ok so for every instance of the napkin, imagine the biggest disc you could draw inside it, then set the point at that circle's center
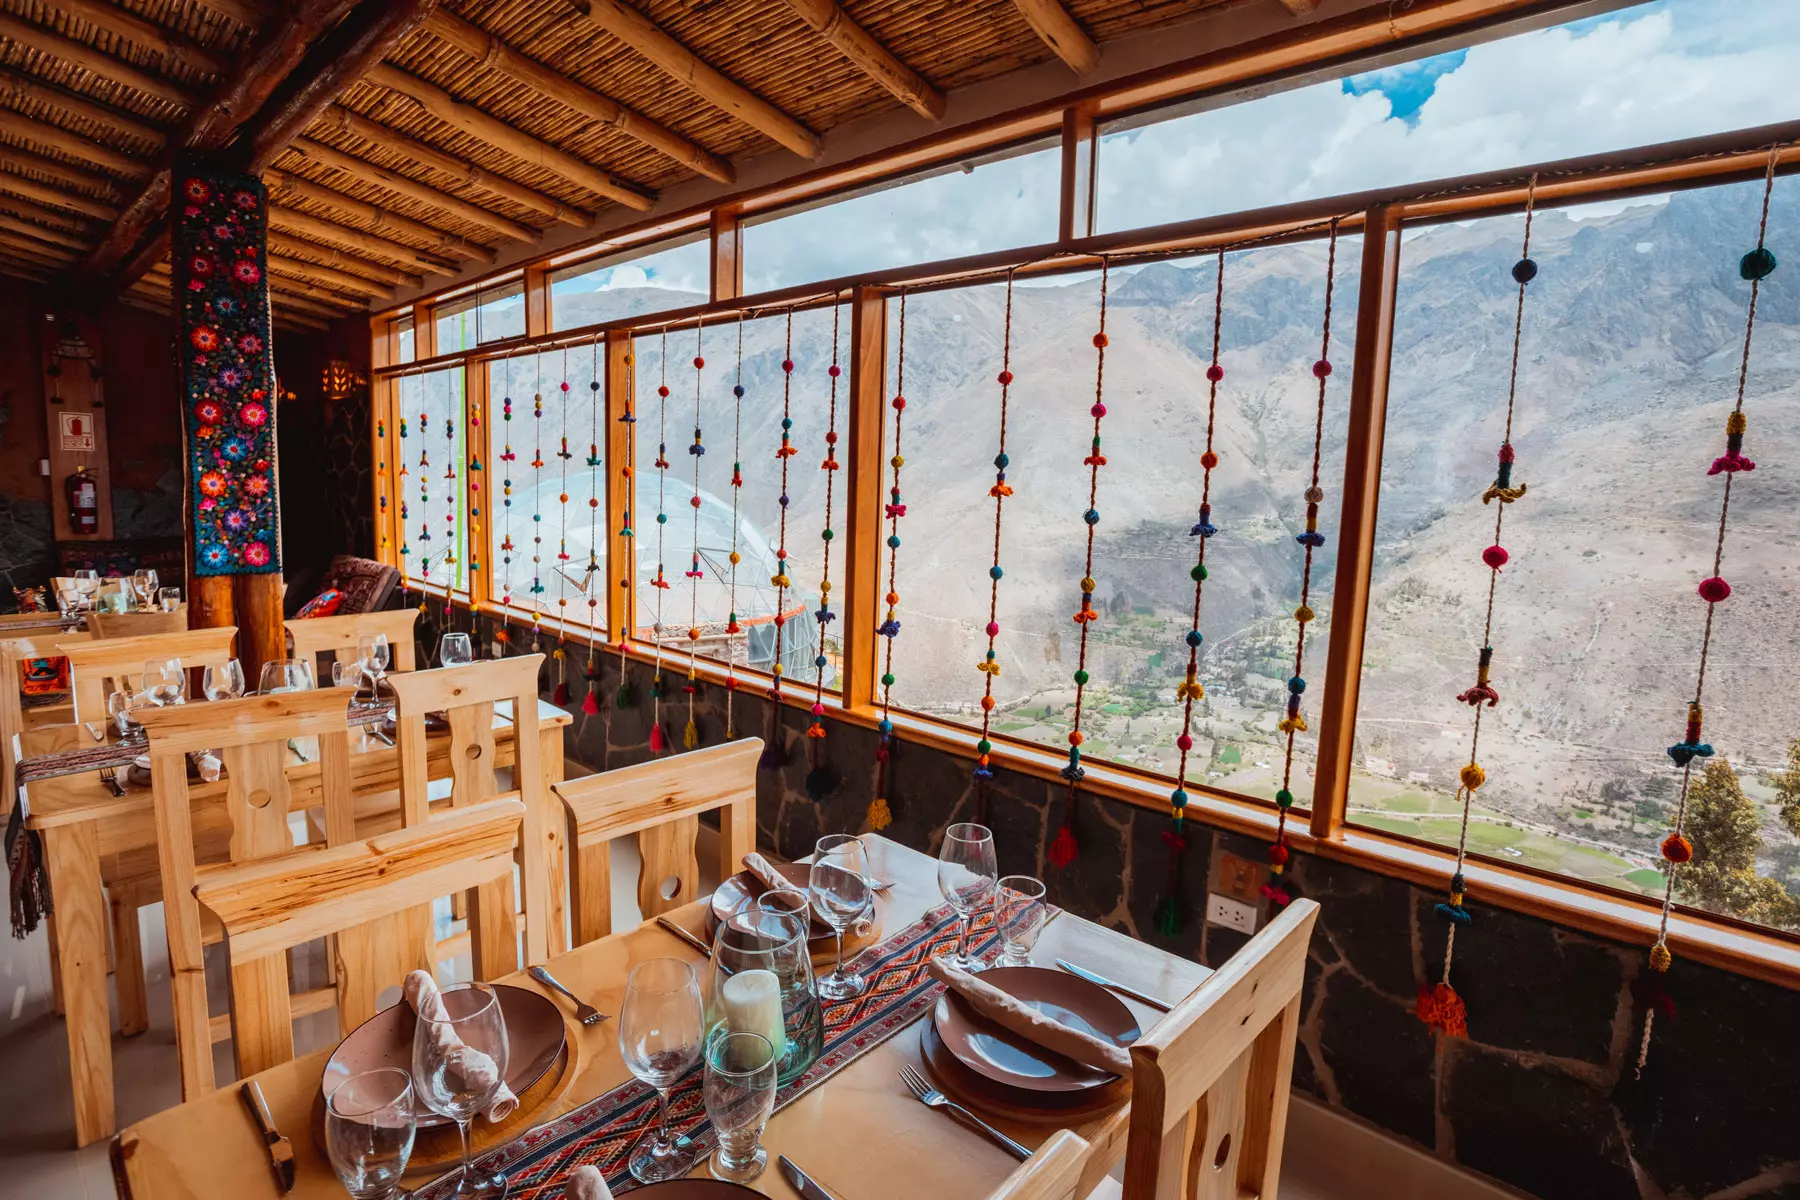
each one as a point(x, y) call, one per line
point(1016, 1017)
point(586, 1183)
point(205, 763)
point(766, 873)
point(475, 1067)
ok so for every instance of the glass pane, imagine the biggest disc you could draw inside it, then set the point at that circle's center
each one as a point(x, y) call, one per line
point(1160, 327)
point(1632, 337)
point(547, 537)
point(1646, 74)
point(486, 317)
point(670, 277)
point(962, 209)
point(747, 519)
point(404, 328)
point(432, 475)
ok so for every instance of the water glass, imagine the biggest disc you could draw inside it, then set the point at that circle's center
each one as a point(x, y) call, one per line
point(372, 653)
point(966, 875)
point(286, 675)
point(1019, 912)
point(143, 585)
point(347, 674)
point(660, 1041)
point(839, 886)
point(369, 1126)
point(459, 1060)
point(168, 599)
point(70, 602)
point(165, 682)
point(223, 681)
point(455, 650)
point(120, 706)
point(740, 1094)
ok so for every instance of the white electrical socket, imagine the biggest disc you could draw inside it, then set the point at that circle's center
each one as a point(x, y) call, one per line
point(1233, 914)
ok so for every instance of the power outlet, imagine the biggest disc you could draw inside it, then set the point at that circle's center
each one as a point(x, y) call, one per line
point(1232, 914)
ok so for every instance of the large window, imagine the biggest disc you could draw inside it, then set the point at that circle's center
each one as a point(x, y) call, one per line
point(1632, 337)
point(672, 275)
point(486, 316)
point(432, 473)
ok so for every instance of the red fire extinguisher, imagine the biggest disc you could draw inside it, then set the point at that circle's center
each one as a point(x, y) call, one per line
point(84, 502)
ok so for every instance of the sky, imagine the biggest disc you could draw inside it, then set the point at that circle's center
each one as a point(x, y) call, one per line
point(1650, 73)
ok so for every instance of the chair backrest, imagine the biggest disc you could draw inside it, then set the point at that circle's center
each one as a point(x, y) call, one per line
point(467, 697)
point(660, 801)
point(1053, 1172)
point(251, 736)
point(15, 653)
point(339, 636)
point(136, 624)
point(102, 664)
point(1209, 1084)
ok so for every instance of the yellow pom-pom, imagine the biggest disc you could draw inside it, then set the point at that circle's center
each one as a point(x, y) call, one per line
point(1472, 776)
point(896, 461)
point(1088, 584)
point(824, 586)
point(1660, 958)
point(880, 816)
point(1737, 422)
point(1303, 614)
point(736, 558)
point(775, 669)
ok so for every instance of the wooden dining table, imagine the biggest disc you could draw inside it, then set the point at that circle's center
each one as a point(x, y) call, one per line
point(90, 836)
point(861, 1133)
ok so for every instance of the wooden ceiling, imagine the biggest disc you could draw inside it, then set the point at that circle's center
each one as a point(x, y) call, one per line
point(476, 124)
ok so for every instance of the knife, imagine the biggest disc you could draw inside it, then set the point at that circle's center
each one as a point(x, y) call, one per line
point(669, 926)
point(803, 1183)
point(1112, 985)
point(281, 1151)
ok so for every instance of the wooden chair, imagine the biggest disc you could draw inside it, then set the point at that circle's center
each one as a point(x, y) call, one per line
point(137, 624)
point(467, 696)
point(1209, 1084)
point(339, 636)
point(100, 665)
point(660, 801)
point(15, 718)
point(1053, 1172)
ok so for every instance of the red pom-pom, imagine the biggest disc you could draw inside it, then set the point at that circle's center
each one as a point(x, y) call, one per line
point(1714, 589)
point(787, 364)
point(1677, 849)
point(1215, 372)
point(834, 371)
point(1278, 855)
point(590, 703)
point(1322, 368)
point(1495, 556)
point(698, 362)
point(1005, 377)
point(1100, 341)
point(1209, 460)
point(560, 696)
point(899, 402)
point(1063, 849)
point(1441, 1008)
point(663, 391)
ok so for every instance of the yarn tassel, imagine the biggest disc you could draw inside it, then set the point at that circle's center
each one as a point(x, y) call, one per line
point(772, 758)
point(1169, 913)
point(1441, 1008)
point(880, 816)
point(658, 743)
point(1064, 849)
point(690, 737)
point(590, 703)
point(822, 780)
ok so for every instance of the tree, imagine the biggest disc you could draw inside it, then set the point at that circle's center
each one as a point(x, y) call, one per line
point(1787, 790)
point(1722, 824)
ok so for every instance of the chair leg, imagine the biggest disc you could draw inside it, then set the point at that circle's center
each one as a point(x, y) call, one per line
point(128, 965)
point(56, 988)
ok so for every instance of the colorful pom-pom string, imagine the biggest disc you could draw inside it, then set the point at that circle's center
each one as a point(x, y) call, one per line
point(989, 666)
point(626, 556)
point(507, 458)
point(1293, 720)
point(881, 814)
point(658, 740)
point(772, 756)
point(592, 580)
point(690, 734)
point(820, 779)
point(563, 455)
point(732, 628)
point(1753, 268)
point(1170, 913)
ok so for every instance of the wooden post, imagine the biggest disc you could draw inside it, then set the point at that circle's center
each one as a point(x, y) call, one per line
point(1075, 216)
point(537, 301)
point(727, 239)
point(863, 582)
point(621, 558)
point(1356, 520)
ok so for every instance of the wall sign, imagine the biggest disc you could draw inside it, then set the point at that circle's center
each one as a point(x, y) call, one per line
point(77, 431)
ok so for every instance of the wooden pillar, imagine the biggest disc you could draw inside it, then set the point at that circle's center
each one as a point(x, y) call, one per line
point(537, 301)
point(863, 581)
point(621, 558)
point(1356, 520)
point(1075, 215)
point(727, 257)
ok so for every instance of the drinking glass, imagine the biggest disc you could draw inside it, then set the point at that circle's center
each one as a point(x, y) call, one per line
point(286, 675)
point(369, 1128)
point(1019, 912)
point(87, 579)
point(70, 602)
point(372, 652)
point(458, 1063)
point(660, 1040)
point(966, 874)
point(165, 681)
point(223, 681)
point(168, 599)
point(455, 650)
point(119, 706)
point(740, 1094)
point(143, 584)
point(839, 885)
point(347, 674)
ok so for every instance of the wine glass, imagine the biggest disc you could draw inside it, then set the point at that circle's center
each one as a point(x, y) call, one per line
point(369, 1128)
point(966, 874)
point(70, 602)
point(165, 681)
point(839, 885)
point(286, 675)
point(1019, 913)
point(223, 681)
point(119, 706)
point(168, 599)
point(659, 1038)
point(739, 1090)
point(458, 1064)
point(372, 653)
point(143, 584)
point(455, 650)
point(347, 674)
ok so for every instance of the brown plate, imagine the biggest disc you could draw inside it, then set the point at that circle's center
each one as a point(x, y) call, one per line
point(984, 1095)
point(745, 886)
point(534, 1034)
point(1006, 1058)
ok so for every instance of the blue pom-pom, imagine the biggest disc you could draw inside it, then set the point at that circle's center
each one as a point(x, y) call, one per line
point(662, 518)
point(884, 726)
point(1091, 516)
point(893, 541)
point(1315, 540)
point(820, 662)
point(1194, 638)
point(995, 572)
point(1178, 798)
point(1296, 685)
point(738, 391)
point(783, 501)
point(1001, 461)
point(787, 422)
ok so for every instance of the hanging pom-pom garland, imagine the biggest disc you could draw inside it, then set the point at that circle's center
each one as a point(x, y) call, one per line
point(1169, 913)
point(625, 697)
point(690, 737)
point(507, 458)
point(400, 490)
point(989, 666)
point(821, 779)
point(1677, 849)
point(881, 814)
point(537, 502)
point(1439, 1005)
point(732, 629)
point(1294, 721)
point(1063, 848)
point(772, 755)
point(382, 451)
point(658, 741)
point(592, 580)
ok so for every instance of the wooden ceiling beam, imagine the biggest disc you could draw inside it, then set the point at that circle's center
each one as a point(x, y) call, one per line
point(380, 221)
point(37, 212)
point(828, 19)
point(356, 240)
point(479, 44)
point(17, 86)
point(1058, 30)
point(521, 145)
point(54, 256)
point(55, 137)
point(172, 44)
point(307, 294)
point(341, 281)
point(336, 117)
point(20, 185)
point(349, 263)
point(1300, 8)
point(19, 162)
point(53, 237)
point(101, 66)
point(643, 35)
point(362, 170)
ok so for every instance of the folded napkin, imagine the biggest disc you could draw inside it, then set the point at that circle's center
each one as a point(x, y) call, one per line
point(206, 764)
point(476, 1068)
point(586, 1183)
point(767, 875)
point(1016, 1017)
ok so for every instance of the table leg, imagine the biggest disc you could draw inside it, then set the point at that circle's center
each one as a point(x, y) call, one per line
point(72, 856)
point(556, 836)
point(128, 961)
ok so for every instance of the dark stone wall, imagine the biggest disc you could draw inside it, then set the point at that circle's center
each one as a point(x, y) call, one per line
point(1540, 1097)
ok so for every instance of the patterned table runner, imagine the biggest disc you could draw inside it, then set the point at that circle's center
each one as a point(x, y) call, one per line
point(603, 1131)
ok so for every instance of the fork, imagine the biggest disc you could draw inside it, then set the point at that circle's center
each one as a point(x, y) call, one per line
point(586, 1013)
point(932, 1098)
point(110, 777)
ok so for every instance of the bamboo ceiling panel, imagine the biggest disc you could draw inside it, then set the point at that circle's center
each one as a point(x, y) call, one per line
point(56, 21)
point(373, 192)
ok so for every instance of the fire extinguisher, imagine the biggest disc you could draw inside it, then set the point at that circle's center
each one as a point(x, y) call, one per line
point(84, 502)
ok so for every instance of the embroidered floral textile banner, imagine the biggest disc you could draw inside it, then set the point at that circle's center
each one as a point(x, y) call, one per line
point(228, 371)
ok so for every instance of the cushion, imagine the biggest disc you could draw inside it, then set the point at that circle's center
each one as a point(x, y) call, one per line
point(325, 604)
point(366, 583)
